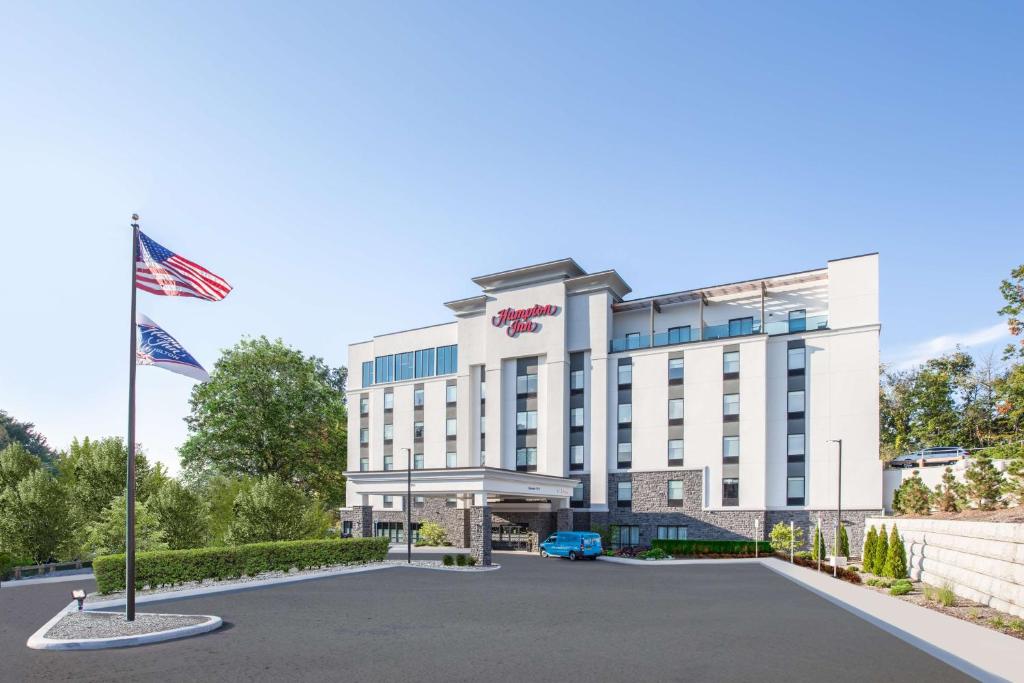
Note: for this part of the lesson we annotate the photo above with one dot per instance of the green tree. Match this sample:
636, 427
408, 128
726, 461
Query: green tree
183, 516
912, 497
106, 535
782, 538
896, 557
273, 510
270, 410
35, 519
16, 463
1012, 290
949, 492
220, 493
24, 433
94, 472
818, 549
984, 487
881, 552
895, 416
870, 542
844, 542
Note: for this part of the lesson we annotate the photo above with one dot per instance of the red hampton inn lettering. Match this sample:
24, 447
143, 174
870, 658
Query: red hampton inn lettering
516, 320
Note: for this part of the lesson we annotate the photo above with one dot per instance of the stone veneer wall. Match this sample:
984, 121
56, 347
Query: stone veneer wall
982, 561
480, 519
435, 509
541, 524
853, 520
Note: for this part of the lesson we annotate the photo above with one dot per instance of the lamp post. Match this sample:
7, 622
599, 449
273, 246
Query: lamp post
408, 505
839, 508
756, 537
817, 549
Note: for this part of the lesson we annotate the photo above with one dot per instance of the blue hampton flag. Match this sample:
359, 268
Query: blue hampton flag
158, 348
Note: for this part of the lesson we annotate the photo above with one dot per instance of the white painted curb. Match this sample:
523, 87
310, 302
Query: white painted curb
662, 563
39, 641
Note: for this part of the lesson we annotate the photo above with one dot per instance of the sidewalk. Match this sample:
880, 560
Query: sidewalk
977, 651
83, 574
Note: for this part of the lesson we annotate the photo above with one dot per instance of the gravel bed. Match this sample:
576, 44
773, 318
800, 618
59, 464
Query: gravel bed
241, 581
78, 625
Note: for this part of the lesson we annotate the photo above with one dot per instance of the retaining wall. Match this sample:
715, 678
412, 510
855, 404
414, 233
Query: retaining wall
982, 561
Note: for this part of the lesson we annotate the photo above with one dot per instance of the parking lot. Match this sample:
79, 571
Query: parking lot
533, 619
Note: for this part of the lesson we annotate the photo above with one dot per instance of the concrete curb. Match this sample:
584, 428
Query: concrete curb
662, 563
84, 576
39, 641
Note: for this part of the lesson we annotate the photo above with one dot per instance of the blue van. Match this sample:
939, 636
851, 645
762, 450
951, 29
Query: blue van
572, 544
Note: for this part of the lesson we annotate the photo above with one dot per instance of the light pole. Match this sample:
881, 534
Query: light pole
408, 505
756, 537
839, 508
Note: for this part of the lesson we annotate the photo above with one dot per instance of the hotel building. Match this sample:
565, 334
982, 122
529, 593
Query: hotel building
553, 400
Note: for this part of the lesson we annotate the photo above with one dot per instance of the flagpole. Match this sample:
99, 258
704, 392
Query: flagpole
129, 557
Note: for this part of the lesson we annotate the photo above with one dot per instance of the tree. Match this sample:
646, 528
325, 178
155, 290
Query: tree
94, 473
105, 536
896, 557
182, 514
1012, 290
782, 538
985, 483
844, 542
270, 410
273, 510
949, 492
35, 520
912, 497
16, 463
818, 549
220, 493
870, 542
881, 552
24, 433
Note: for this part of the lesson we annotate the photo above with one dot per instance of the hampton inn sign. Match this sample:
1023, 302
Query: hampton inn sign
516, 320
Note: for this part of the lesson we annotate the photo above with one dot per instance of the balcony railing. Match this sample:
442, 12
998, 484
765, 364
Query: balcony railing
723, 331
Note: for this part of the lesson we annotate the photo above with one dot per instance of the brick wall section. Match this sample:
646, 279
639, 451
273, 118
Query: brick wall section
480, 519
434, 509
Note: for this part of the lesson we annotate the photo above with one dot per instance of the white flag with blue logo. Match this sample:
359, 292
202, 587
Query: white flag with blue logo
158, 348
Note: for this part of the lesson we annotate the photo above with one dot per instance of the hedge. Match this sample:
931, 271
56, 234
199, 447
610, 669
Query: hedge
169, 567
710, 547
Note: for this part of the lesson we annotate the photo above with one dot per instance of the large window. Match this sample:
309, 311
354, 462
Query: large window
417, 397
417, 461
795, 402
526, 459
364, 405
624, 493
730, 446
627, 536
449, 426
741, 326
675, 492
675, 409
795, 491
404, 366
526, 384
731, 404
392, 530
672, 533
575, 457
731, 362
384, 369
447, 359
576, 379
389, 400
451, 459
675, 369
389, 501
730, 492
425, 363
417, 429
364, 435
625, 374
577, 495
625, 413
795, 444
389, 462
389, 431
625, 455
675, 452
797, 358
576, 417
367, 373
451, 393
526, 420
679, 335
364, 464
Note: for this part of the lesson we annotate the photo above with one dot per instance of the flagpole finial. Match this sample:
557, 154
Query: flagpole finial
135, 219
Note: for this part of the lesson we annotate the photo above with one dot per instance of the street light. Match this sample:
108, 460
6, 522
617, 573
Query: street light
756, 537
839, 509
408, 505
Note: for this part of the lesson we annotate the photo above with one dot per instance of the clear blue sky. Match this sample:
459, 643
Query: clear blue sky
350, 167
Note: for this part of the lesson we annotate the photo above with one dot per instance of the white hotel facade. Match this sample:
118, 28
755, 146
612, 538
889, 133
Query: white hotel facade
553, 400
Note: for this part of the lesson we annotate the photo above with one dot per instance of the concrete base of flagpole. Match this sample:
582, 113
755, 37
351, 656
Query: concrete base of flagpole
93, 630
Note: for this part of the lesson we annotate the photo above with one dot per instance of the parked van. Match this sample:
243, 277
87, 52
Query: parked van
572, 544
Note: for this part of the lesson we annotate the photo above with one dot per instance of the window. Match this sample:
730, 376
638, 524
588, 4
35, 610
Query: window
576, 379
731, 362
625, 455
447, 359
384, 367
449, 426
625, 374
576, 457
364, 405
526, 459
678, 335
451, 393
389, 501
526, 420
795, 402
741, 326
730, 446
526, 384
624, 493
675, 492
417, 398
364, 464
576, 417
730, 492
795, 444
632, 340
675, 452
425, 363
404, 366
483, 425
577, 493
389, 400
391, 530
367, 373
417, 429
797, 359
450, 459
625, 413
675, 369
798, 320
364, 436
389, 462
419, 501
731, 404
346, 529
795, 491
672, 533
389, 431
451, 501
629, 535
417, 461
675, 409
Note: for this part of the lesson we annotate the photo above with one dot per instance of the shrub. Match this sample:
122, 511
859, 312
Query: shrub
912, 497
105, 536
807, 554
1016, 625
946, 596
818, 544
949, 494
878, 582
460, 560
696, 547
881, 551
985, 483
274, 510
432, 533
900, 588
782, 537
844, 542
854, 568
997, 622
870, 541
470, 561
896, 558
605, 531
447, 560
169, 567
7, 563
655, 553
842, 572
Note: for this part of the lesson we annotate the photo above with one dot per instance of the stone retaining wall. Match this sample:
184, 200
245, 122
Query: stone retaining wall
981, 561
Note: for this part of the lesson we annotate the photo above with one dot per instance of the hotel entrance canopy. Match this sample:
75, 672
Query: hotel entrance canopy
479, 481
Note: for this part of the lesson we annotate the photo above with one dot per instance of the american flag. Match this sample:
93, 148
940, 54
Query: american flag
159, 270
